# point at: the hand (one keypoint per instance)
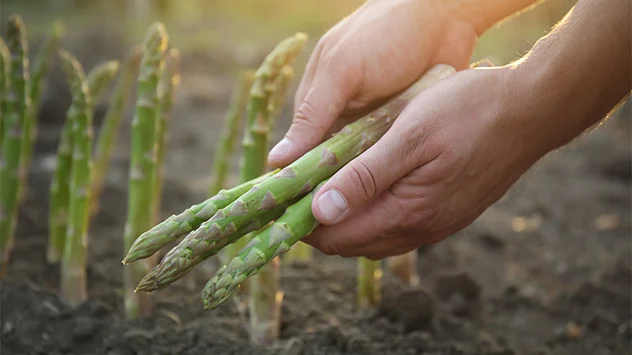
(368, 57)
(453, 151)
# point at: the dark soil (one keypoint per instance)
(539, 273)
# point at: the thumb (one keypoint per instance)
(323, 102)
(362, 180)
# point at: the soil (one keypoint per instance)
(546, 270)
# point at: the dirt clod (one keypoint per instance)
(414, 308)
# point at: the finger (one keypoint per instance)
(308, 76)
(324, 101)
(363, 179)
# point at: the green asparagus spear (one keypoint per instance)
(369, 275)
(5, 64)
(73, 266)
(279, 95)
(40, 68)
(176, 226)
(169, 82)
(108, 133)
(232, 122)
(255, 142)
(297, 222)
(299, 177)
(175, 265)
(17, 105)
(96, 82)
(100, 77)
(143, 161)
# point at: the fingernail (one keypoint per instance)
(332, 205)
(282, 148)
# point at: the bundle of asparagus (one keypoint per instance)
(252, 205)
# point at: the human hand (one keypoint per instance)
(453, 151)
(376, 52)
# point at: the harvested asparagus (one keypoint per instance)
(40, 68)
(176, 264)
(232, 123)
(5, 64)
(17, 106)
(176, 226)
(73, 266)
(167, 86)
(368, 289)
(108, 133)
(299, 177)
(143, 161)
(297, 222)
(255, 142)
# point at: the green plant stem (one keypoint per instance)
(108, 134)
(15, 135)
(143, 162)
(169, 82)
(99, 78)
(368, 279)
(404, 267)
(5, 83)
(73, 267)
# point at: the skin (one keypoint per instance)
(460, 145)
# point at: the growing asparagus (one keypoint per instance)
(73, 266)
(96, 82)
(232, 123)
(17, 105)
(108, 133)
(5, 64)
(279, 95)
(297, 222)
(166, 89)
(176, 264)
(368, 289)
(299, 177)
(143, 161)
(255, 142)
(404, 267)
(178, 225)
(40, 68)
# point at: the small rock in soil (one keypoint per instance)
(414, 308)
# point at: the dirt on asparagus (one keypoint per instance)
(546, 270)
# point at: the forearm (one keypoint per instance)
(576, 75)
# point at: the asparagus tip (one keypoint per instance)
(147, 283)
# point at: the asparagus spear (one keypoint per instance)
(230, 131)
(404, 267)
(41, 66)
(5, 64)
(176, 226)
(97, 81)
(17, 106)
(255, 142)
(108, 133)
(169, 82)
(73, 266)
(143, 161)
(297, 222)
(299, 177)
(368, 291)
(175, 265)
(279, 95)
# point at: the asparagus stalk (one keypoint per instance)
(281, 85)
(108, 134)
(294, 180)
(143, 161)
(17, 106)
(232, 122)
(59, 197)
(175, 265)
(169, 82)
(176, 226)
(297, 222)
(5, 64)
(255, 142)
(100, 77)
(404, 267)
(41, 66)
(368, 291)
(73, 266)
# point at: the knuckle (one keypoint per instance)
(362, 179)
(330, 247)
(306, 118)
